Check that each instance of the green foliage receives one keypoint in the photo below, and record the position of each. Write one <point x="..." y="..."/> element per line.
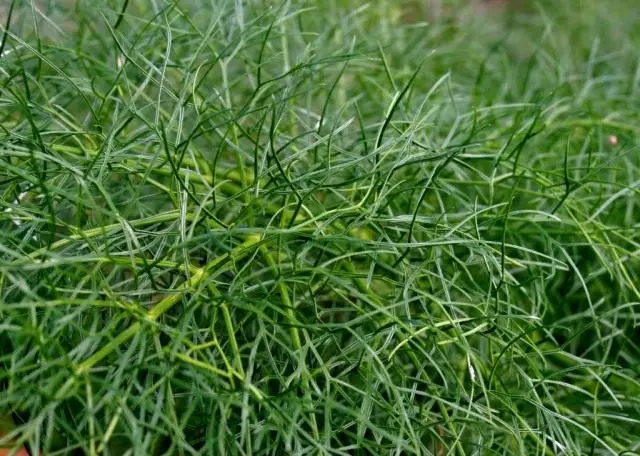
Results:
<point x="314" y="227"/>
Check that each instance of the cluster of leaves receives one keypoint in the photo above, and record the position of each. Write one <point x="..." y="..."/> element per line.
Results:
<point x="318" y="227"/>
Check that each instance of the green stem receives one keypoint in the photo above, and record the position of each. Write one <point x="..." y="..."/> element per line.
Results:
<point x="295" y="339"/>
<point x="162" y="307"/>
